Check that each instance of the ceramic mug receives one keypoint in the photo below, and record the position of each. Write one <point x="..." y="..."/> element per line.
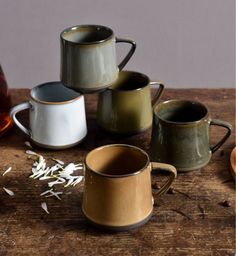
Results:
<point x="56" y="118"/>
<point x="117" y="191"/>
<point x="126" y="106"/>
<point x="88" y="57"/>
<point x="180" y="134"/>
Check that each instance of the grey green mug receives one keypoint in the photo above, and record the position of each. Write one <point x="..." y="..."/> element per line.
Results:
<point x="88" y="57"/>
<point x="180" y="134"/>
<point x="126" y="107"/>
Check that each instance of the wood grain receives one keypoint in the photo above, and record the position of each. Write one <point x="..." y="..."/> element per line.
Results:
<point x="233" y="162"/>
<point x="190" y="221"/>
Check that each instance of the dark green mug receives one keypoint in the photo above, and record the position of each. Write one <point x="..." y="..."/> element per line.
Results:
<point x="180" y="134"/>
<point x="126" y="107"/>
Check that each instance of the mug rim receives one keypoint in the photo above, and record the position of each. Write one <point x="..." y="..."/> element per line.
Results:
<point x="130" y="90"/>
<point x="206" y="116"/>
<point x="51" y="102"/>
<point x="123" y="175"/>
<point x="75" y="27"/>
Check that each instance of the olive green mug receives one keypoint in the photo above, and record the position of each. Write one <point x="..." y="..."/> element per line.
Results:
<point x="180" y="134"/>
<point x="126" y="106"/>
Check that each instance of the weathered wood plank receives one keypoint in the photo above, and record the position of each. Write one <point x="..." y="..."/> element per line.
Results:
<point x="189" y="222"/>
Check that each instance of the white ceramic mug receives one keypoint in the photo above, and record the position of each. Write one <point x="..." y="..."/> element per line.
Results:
<point x="88" y="57"/>
<point x="57" y="116"/>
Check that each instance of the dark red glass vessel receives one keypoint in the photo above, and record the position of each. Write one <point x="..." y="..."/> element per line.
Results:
<point x="5" y="104"/>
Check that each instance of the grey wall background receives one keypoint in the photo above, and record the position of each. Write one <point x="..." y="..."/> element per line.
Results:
<point x="185" y="43"/>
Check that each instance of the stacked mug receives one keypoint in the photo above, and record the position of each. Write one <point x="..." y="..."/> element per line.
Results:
<point x="117" y="192"/>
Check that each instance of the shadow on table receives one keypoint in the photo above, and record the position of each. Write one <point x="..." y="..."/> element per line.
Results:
<point x="96" y="137"/>
<point x="224" y="172"/>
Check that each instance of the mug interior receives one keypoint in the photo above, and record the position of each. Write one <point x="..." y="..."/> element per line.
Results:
<point x="181" y="111"/>
<point x="87" y="34"/>
<point x="130" y="80"/>
<point x="53" y="92"/>
<point x="117" y="160"/>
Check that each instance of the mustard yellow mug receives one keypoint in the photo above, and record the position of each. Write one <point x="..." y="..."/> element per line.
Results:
<point x="117" y="193"/>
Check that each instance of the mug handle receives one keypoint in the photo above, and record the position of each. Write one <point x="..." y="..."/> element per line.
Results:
<point x="129" y="54"/>
<point x="15" y="110"/>
<point x="224" y="124"/>
<point x="158" y="94"/>
<point x="165" y="167"/>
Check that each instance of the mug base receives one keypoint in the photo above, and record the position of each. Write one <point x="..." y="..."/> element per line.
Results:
<point x="41" y="145"/>
<point x="124" y="133"/>
<point x="191" y="169"/>
<point x="84" y="90"/>
<point x="119" y="228"/>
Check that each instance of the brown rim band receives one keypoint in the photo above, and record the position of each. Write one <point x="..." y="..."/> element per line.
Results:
<point x="51" y="102"/>
<point x="89" y="26"/>
<point x="118" y="176"/>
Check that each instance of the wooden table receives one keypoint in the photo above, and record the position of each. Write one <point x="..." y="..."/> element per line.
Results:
<point x="192" y="221"/>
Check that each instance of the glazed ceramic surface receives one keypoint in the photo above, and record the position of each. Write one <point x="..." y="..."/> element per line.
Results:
<point x="126" y="106"/>
<point x="57" y="116"/>
<point x="117" y="193"/>
<point x="88" y="57"/>
<point x="180" y="134"/>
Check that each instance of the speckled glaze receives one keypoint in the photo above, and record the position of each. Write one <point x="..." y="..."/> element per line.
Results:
<point x="117" y="190"/>
<point x="126" y="107"/>
<point x="180" y="134"/>
<point x="88" y="57"/>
